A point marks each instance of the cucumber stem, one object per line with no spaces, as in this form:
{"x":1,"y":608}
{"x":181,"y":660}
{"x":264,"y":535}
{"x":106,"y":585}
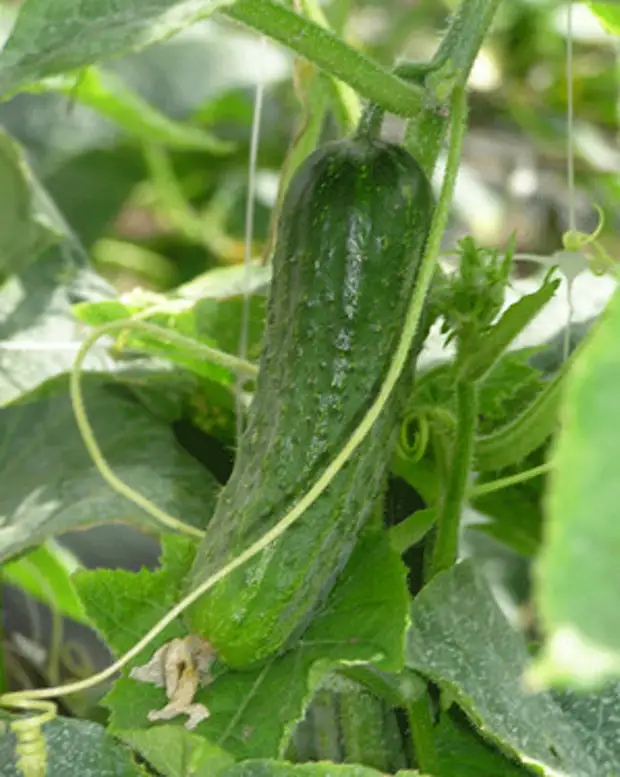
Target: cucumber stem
{"x":421,"y":728}
{"x":369,"y":127}
{"x":448,"y":520}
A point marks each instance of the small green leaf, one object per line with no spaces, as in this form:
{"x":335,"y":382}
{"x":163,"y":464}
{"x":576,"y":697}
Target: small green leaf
{"x":56,"y":36}
{"x":462,"y":641}
{"x":45,"y":574}
{"x":253,"y":712}
{"x":49,"y":484}
{"x":109,"y":96}
{"x":175,"y":752}
{"x":75,"y":748}
{"x":494,"y":342}
{"x":579,"y":575}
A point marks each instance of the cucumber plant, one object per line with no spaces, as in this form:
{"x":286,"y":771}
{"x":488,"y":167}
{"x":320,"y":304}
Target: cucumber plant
{"x":293,"y":619}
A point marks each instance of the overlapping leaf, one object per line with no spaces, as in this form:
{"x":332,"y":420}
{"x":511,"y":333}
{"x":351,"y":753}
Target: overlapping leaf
{"x":252,"y":712}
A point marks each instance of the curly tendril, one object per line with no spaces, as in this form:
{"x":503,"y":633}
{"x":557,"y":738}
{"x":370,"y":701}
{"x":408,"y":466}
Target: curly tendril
{"x":31,"y":746}
{"x":576,"y":241}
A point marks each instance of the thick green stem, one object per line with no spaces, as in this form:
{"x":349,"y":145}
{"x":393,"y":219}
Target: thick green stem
{"x":450,"y":68}
{"x":448,"y":520}
{"x":329,"y":52}
{"x":421,"y":727}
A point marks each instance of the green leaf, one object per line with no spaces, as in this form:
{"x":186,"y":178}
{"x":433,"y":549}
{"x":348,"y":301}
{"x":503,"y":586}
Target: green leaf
{"x":109,"y":96}
{"x":253,"y":712}
{"x":464,"y":754}
{"x":45,"y":574}
{"x":609,"y":14}
{"x":282,"y":769}
{"x":494,"y":342}
{"x":214,"y":322}
{"x":75,"y":748}
{"x":55,"y":36}
{"x":49,"y":485}
{"x":462,"y":641}
{"x":580,"y":614}
{"x":25,"y":232}
{"x":174,"y":752}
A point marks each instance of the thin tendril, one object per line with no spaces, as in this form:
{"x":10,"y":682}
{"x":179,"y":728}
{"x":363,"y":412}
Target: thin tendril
{"x":247,"y":253}
{"x":86,"y":430}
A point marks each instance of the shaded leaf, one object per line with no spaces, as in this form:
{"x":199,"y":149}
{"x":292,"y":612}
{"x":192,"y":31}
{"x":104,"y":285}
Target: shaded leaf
{"x":175,"y":752}
{"x":25,"y":232}
{"x":463,"y":754}
{"x":49,"y":485}
{"x":582,"y":543}
{"x":76,"y":748}
{"x":44,"y":574}
{"x":462,"y":641}
{"x":253,"y":712}
{"x":55,"y":36}
{"x":109,"y":96}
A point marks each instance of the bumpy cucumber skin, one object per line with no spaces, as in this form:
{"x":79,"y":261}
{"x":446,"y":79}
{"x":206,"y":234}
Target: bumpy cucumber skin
{"x":351,"y":237}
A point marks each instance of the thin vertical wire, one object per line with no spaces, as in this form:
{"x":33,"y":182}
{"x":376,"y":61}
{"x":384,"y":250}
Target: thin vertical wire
{"x":570,"y":165}
{"x":247,"y":253}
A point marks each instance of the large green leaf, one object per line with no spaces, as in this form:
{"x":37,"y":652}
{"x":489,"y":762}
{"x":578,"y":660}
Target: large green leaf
{"x":75,"y":748}
{"x":579,"y":572}
{"x":38,"y":334}
{"x":461,"y":640}
{"x":49,"y":485}
{"x":55,"y":36}
{"x":252,"y":712}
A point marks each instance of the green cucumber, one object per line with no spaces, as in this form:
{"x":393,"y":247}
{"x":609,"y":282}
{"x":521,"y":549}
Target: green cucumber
{"x":351,"y":237}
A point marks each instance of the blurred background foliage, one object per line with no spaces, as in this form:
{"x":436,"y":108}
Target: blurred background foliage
{"x":159,"y":214}
{"x":158,"y":217}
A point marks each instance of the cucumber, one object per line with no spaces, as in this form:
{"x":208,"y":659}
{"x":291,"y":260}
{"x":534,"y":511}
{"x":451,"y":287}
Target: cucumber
{"x":351,"y":236}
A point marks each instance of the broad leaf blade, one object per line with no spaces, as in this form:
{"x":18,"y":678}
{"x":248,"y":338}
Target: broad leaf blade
{"x":253,"y":712}
{"x":56,"y":36}
{"x":461,"y":640}
{"x":175,"y":752}
{"x":579,"y":574}
{"x":75,"y":748}
{"x":44,"y":574}
{"x":609,"y":14}
{"x":49,"y":485}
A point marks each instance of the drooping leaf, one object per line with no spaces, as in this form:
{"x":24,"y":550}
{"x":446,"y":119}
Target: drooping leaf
{"x":579,"y":575}
{"x":108,"y":95}
{"x":44,"y":574}
{"x":175,"y":752}
{"x":25,"y":232}
{"x":49,"y":485}
{"x":252,"y":712}
{"x":462,"y":641}
{"x":75,"y":748}
{"x":56,"y":36}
